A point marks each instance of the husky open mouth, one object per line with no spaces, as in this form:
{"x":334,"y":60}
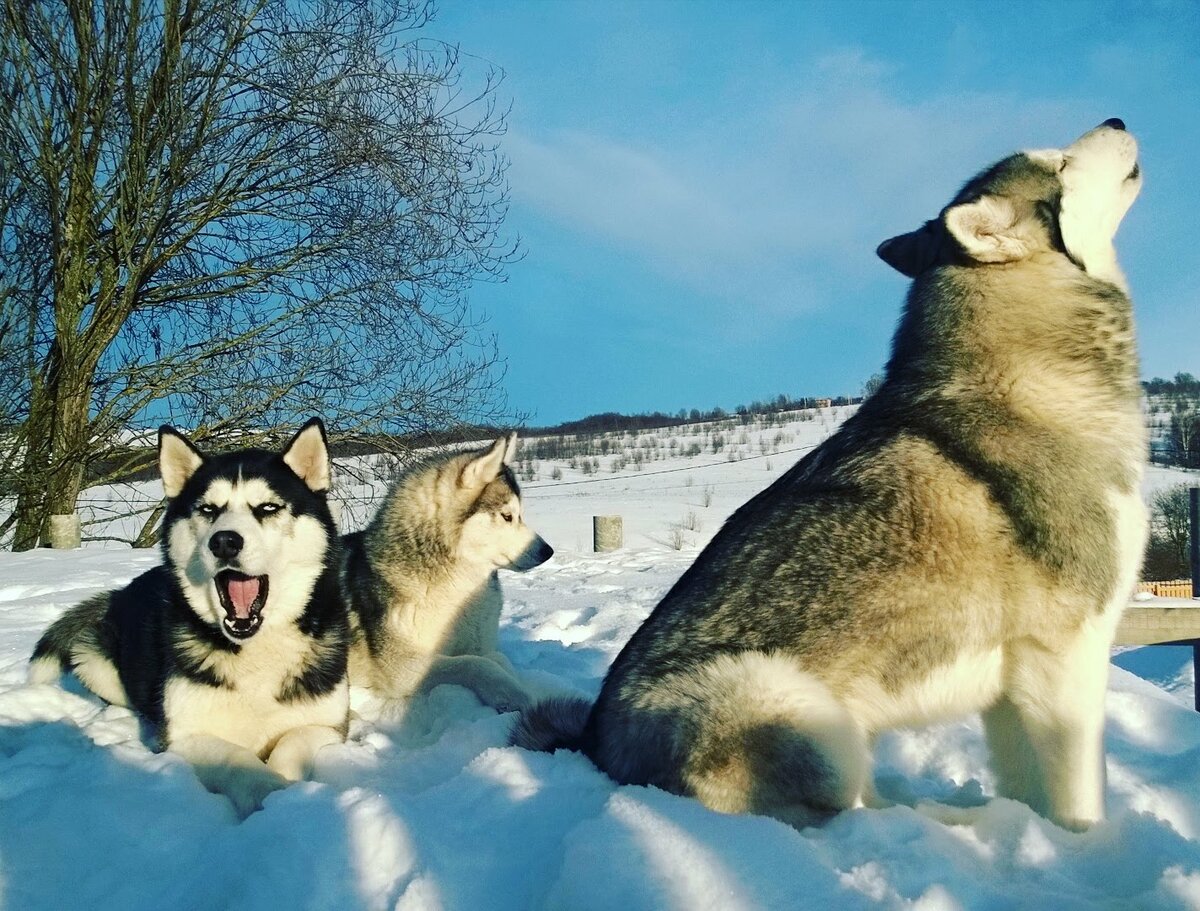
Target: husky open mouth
{"x":243,"y":598}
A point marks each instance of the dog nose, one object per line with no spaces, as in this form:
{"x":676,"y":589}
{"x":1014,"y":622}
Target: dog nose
{"x":225,"y":545}
{"x":1115,"y":122}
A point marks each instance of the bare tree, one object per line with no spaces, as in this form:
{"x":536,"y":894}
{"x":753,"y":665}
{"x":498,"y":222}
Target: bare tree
{"x":871,"y":386}
{"x":1185,"y":435}
{"x":1167,"y":555}
{"x":231,"y":214}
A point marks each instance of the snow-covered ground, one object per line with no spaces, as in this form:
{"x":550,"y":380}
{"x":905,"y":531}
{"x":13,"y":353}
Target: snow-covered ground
{"x":425,"y":808}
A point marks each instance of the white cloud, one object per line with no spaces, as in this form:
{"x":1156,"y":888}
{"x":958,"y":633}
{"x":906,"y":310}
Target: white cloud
{"x":793,"y":193}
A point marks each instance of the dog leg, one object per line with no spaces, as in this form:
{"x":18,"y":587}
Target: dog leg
{"x":100,"y":675}
{"x":494,"y":685}
{"x":1059,"y":700}
{"x":502,"y":659}
{"x":295,"y":753}
{"x":229,"y":769}
{"x":1018,"y":775}
{"x":869,"y":797}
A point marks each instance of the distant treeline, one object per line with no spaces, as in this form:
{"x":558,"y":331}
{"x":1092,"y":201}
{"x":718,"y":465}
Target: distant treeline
{"x":122,"y":464}
{"x":136,"y":463}
{"x":1184,"y":384}
{"x":1181,"y":447}
{"x":611,"y":421}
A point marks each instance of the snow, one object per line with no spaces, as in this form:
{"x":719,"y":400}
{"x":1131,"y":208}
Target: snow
{"x":426,"y":808}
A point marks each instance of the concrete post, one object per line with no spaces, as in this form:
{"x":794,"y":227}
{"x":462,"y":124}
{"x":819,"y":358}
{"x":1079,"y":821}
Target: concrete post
{"x":64,"y":532}
{"x":607,"y":533}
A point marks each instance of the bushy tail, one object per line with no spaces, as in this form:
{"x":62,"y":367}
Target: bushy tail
{"x":767,"y":737}
{"x":55,"y":650}
{"x":553,"y":724}
{"x":48,"y":660}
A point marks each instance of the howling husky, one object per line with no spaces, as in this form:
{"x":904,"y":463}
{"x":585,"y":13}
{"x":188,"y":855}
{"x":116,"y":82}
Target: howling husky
{"x":235,"y":649}
{"x":964,"y":543}
{"x":421,"y":579}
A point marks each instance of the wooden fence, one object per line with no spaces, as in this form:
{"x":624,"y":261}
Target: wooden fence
{"x":1175,"y":588}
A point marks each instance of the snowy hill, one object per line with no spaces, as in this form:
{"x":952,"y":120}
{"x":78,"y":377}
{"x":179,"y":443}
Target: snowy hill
{"x":425,"y":808}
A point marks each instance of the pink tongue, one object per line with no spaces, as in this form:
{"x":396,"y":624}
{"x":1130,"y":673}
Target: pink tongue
{"x":242,"y":593}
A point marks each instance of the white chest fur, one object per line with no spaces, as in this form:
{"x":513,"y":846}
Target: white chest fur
{"x":247,"y":709}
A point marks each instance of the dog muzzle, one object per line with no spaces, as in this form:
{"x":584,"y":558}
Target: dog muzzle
{"x":243,"y":598}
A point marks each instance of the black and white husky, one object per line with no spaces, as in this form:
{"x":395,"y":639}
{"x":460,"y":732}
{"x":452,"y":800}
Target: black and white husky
{"x":235,"y":649}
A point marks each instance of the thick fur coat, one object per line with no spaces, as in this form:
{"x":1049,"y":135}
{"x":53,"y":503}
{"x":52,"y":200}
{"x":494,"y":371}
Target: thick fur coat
{"x":421,"y":579}
{"x":964,"y":543}
{"x":234,"y":650}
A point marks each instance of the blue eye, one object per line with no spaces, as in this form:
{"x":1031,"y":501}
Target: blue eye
{"x":266,"y":509}
{"x":208,"y":510}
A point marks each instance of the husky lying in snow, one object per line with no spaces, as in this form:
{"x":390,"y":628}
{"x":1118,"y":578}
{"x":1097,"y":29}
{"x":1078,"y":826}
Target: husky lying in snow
{"x":964,"y":543}
{"x":421,"y":579}
{"x":235,"y":648}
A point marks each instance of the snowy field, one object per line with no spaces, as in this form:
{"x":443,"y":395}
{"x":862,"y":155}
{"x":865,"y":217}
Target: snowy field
{"x":425,"y":808}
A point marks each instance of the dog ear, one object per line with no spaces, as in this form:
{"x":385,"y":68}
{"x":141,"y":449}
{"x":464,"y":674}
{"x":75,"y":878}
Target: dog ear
{"x":510,"y":448}
{"x":912,"y":253}
{"x":308,"y":456}
{"x":178,"y":460}
{"x":484,"y":468}
{"x":1051,"y":158}
{"x":988,"y":230}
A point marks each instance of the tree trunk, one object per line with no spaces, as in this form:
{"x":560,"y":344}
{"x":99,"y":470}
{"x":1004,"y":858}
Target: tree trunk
{"x":148,"y":536}
{"x":69,"y":439}
{"x":31,"y":515}
{"x":31,"y":483}
{"x":52,"y":475}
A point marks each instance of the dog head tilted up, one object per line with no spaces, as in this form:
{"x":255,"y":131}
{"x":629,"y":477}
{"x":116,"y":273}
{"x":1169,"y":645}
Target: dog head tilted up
{"x":248,"y":532}
{"x":1051,"y":202}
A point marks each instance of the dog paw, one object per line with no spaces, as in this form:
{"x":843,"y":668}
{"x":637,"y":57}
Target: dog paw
{"x":512,"y":701}
{"x":248,"y":790}
{"x":294,"y":765}
{"x":295,"y":755}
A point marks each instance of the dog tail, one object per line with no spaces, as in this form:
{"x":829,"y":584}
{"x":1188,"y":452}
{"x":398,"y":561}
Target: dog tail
{"x":767,"y":737}
{"x":49,"y":659}
{"x":56,"y":650}
{"x":553,"y":724}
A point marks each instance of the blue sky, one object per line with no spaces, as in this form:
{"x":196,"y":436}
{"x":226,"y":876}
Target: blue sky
{"x":700,"y":187}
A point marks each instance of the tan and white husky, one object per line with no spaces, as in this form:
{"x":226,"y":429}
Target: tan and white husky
{"x":964,"y":543}
{"x":421,"y":579}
